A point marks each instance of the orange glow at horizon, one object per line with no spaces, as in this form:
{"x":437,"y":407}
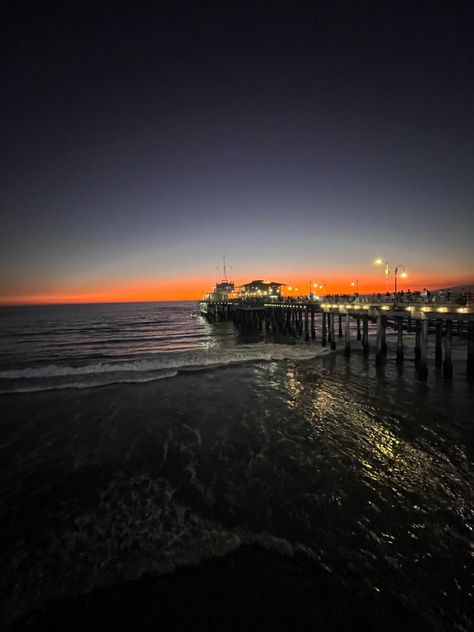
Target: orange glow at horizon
{"x":194,"y":288}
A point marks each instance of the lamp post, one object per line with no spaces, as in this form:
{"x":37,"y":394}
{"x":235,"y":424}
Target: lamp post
{"x":355,"y":283}
{"x":403,"y":274}
{"x":379,"y":262}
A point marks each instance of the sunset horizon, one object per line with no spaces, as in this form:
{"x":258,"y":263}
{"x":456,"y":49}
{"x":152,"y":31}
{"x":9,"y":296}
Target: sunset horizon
{"x":195,"y":289}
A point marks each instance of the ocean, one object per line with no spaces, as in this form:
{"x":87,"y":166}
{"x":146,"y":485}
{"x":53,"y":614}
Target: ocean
{"x":159,"y":471}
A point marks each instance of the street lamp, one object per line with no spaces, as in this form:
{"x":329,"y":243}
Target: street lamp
{"x":403,"y":275}
{"x":379,"y":262}
{"x":355,"y":283}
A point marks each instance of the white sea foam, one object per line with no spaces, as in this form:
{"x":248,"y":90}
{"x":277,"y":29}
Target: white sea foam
{"x":101,"y":381}
{"x":136,"y":527}
{"x":167,"y":362}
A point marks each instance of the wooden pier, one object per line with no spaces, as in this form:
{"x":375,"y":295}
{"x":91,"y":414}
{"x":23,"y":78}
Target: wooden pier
{"x":326,"y":322}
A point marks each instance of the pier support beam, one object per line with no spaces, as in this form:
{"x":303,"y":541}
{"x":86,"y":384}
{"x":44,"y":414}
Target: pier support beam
{"x":422,"y":366}
{"x":313,"y":330}
{"x":379,"y":345}
{"x":306,"y":325}
{"x":347,"y":346}
{"x":438,"y":347}
{"x":384,"y":336}
{"x":470,"y":351}
{"x":340,"y":325}
{"x":417,"y":342}
{"x":365,"y":335}
{"x":448,"y":364}
{"x":400,"y":352}
{"x":324,"y":335}
{"x":358,"y":328}
{"x":331,"y":329}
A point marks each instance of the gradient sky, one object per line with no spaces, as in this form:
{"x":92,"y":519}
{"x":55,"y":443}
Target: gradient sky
{"x":140,"y":141}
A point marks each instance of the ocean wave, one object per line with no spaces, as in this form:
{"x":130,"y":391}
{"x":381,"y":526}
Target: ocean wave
{"x":176,"y":361}
{"x":88,"y":384}
{"x":136,"y":527}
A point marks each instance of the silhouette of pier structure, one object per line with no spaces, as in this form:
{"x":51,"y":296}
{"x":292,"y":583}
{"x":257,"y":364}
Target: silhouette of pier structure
{"x":327,"y":321}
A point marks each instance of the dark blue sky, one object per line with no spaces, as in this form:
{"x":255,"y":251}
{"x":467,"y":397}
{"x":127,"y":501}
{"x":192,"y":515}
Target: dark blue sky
{"x":142,"y":140}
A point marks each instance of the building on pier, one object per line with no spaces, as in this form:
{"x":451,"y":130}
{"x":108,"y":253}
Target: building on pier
{"x":222,"y":291}
{"x":260,"y":289}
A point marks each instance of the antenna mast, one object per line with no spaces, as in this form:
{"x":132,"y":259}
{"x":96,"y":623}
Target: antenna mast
{"x":225,"y":270}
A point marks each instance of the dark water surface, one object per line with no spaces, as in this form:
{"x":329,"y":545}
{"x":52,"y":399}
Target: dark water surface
{"x":250,"y":485}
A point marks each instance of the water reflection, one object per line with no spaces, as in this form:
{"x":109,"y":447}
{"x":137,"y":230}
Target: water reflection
{"x":362,"y":430}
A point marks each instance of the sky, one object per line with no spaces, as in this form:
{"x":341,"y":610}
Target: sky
{"x":141,"y":141}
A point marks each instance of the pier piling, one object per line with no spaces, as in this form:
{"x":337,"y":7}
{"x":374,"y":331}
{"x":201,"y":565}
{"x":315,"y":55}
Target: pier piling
{"x":448,"y":364}
{"x":417,"y":342}
{"x":347,"y":347}
{"x":422,"y":366}
{"x":400,"y":352}
{"x":365,"y":335}
{"x":379,"y":352}
{"x":384,"y":336}
{"x":470,"y":351}
{"x":438,"y":347}
{"x":331,"y":329}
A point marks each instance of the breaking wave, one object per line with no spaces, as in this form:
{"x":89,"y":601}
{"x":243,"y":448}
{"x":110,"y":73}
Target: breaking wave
{"x":160,"y":366}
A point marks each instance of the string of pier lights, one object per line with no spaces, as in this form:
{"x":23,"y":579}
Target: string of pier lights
{"x":404,"y":274}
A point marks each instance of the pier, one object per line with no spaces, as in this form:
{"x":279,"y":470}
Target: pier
{"x":328,"y":321}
